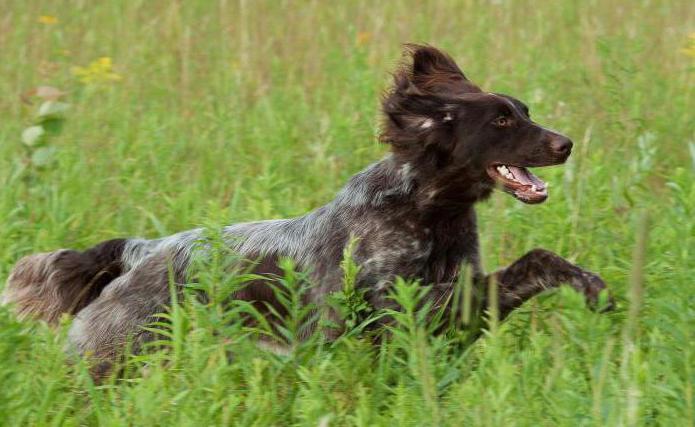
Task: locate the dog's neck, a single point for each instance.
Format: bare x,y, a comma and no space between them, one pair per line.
440,189
426,189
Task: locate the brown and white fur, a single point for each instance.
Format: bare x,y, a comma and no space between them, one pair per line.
412,214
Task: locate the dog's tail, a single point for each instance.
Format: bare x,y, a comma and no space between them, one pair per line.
46,285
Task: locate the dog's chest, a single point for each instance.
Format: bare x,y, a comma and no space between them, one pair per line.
429,250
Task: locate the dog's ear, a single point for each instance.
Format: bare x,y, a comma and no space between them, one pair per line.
412,119
419,104
429,61
433,71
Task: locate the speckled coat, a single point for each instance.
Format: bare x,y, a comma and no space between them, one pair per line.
411,215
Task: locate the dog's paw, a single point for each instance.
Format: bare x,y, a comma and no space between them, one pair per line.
597,294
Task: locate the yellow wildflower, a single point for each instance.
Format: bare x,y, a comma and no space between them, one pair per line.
363,37
48,20
690,49
98,72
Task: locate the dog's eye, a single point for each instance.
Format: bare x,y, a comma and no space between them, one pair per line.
502,121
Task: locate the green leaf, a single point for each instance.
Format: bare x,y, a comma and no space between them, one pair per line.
33,136
43,156
52,126
52,109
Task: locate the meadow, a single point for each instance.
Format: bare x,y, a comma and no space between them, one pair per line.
168,115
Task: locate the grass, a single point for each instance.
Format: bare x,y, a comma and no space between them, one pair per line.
216,112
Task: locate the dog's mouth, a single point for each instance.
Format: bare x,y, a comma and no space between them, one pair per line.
519,182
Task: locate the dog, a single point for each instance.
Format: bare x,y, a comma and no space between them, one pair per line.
411,215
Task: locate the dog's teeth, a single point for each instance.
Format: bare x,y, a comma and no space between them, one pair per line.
533,188
504,171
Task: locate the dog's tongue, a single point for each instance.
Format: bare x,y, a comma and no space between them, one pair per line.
523,176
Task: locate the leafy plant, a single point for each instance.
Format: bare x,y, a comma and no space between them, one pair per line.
349,303
46,125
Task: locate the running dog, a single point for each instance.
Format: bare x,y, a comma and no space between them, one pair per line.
412,215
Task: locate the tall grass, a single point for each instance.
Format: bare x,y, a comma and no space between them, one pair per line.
237,110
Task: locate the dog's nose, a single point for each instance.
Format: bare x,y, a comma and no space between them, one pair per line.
561,145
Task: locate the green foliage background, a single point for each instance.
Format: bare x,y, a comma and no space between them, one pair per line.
211,112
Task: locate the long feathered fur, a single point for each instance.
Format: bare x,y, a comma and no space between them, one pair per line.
411,213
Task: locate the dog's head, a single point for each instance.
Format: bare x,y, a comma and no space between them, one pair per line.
434,114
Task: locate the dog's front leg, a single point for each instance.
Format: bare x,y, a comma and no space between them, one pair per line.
538,271
535,272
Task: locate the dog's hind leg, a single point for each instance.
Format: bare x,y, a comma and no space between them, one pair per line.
538,271
46,285
102,330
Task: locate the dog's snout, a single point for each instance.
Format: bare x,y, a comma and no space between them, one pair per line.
561,145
